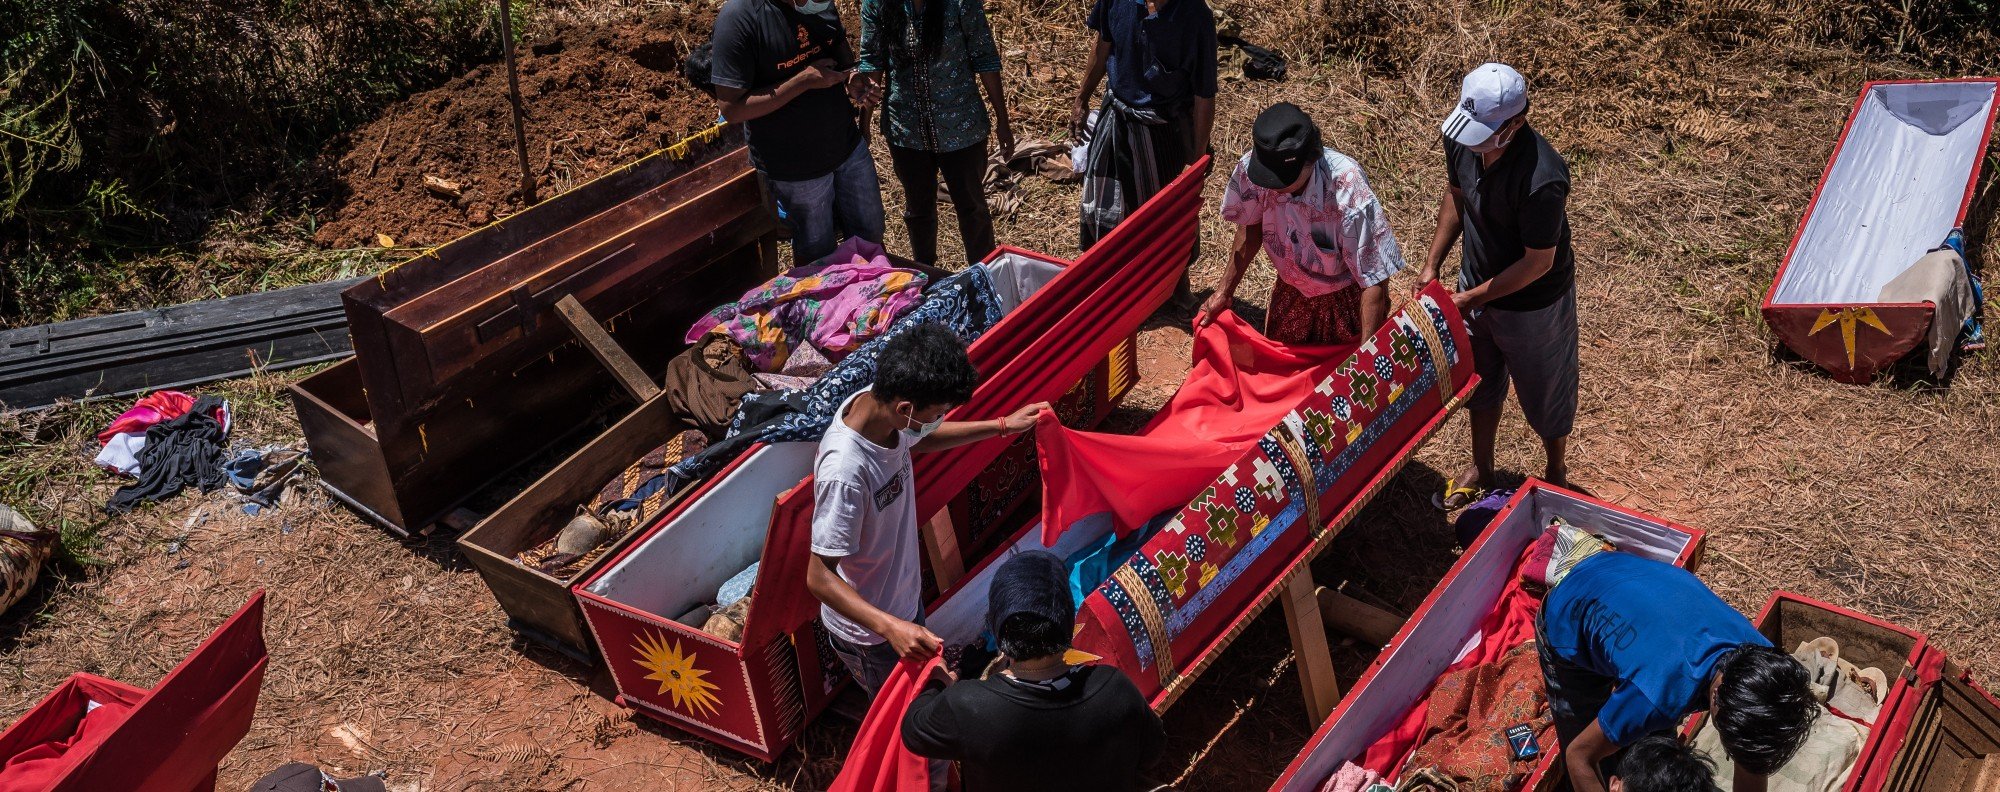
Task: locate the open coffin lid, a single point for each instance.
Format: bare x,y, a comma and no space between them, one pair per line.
1937,730
168,739
1430,641
434,406
755,693
1902,175
1348,451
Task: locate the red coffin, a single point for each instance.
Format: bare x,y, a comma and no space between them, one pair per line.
1901,176
1070,342
1938,730
168,739
1347,452
1429,641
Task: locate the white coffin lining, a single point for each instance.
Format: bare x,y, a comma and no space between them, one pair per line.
1893,192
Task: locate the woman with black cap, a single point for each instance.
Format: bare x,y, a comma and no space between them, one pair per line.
1038,721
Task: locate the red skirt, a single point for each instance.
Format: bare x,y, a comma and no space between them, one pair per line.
1332,318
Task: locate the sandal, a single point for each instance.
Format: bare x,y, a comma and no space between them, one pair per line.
1456,496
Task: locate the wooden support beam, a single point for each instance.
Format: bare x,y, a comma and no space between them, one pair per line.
1351,616
940,539
626,370
1309,650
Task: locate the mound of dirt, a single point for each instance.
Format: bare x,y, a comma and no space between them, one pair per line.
442,162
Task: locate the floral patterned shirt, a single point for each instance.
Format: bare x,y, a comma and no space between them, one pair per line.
1330,236
931,104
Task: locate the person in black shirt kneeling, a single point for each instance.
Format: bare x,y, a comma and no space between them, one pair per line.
1038,722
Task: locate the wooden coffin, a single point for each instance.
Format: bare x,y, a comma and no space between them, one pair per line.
1901,177
1431,639
1069,342
462,370
168,739
1938,730
1308,477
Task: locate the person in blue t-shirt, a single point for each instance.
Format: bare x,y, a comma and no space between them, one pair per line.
1629,646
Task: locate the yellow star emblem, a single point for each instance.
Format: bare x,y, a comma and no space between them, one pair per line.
1847,317
676,673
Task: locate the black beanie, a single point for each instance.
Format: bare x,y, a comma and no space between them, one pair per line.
1034,582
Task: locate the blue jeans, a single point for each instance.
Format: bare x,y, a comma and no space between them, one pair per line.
848,200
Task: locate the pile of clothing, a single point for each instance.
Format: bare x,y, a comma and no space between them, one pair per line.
835,304
1851,699
168,441
633,498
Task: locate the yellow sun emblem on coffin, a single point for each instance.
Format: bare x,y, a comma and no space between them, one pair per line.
676,673
1847,317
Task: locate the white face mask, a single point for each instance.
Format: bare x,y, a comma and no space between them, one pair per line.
920,431
1495,142
814,6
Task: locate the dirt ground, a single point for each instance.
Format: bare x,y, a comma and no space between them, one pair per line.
597,96
1692,157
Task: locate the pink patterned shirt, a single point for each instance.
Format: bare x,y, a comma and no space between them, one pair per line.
1332,235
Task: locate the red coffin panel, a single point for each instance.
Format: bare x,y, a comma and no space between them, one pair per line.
174,736
1852,342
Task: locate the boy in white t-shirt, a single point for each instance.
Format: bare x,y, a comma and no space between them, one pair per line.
867,573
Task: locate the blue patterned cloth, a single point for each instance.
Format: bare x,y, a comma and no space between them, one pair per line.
932,99
963,302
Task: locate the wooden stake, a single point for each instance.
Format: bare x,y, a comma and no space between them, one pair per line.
940,540
1309,651
514,98
623,368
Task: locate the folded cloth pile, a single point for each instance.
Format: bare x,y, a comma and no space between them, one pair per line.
127,434
178,453
963,302
1558,550
837,303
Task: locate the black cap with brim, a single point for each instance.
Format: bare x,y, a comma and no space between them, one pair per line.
1286,141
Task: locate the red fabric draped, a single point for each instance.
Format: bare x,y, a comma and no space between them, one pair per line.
878,762
1511,623
44,764
1240,385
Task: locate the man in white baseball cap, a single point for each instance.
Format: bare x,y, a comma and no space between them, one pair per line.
1491,96
1507,201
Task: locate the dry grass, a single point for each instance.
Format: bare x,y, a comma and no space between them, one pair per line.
1694,139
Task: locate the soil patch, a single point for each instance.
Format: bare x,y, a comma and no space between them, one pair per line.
442,162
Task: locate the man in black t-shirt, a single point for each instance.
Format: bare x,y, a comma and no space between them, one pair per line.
1517,281
1038,722
784,69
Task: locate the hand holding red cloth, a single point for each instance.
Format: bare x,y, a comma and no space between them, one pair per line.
878,762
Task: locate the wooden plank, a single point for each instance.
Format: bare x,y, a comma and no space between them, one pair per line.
177,346
1377,626
940,538
623,368
1309,650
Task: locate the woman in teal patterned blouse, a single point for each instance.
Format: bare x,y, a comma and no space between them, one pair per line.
925,53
